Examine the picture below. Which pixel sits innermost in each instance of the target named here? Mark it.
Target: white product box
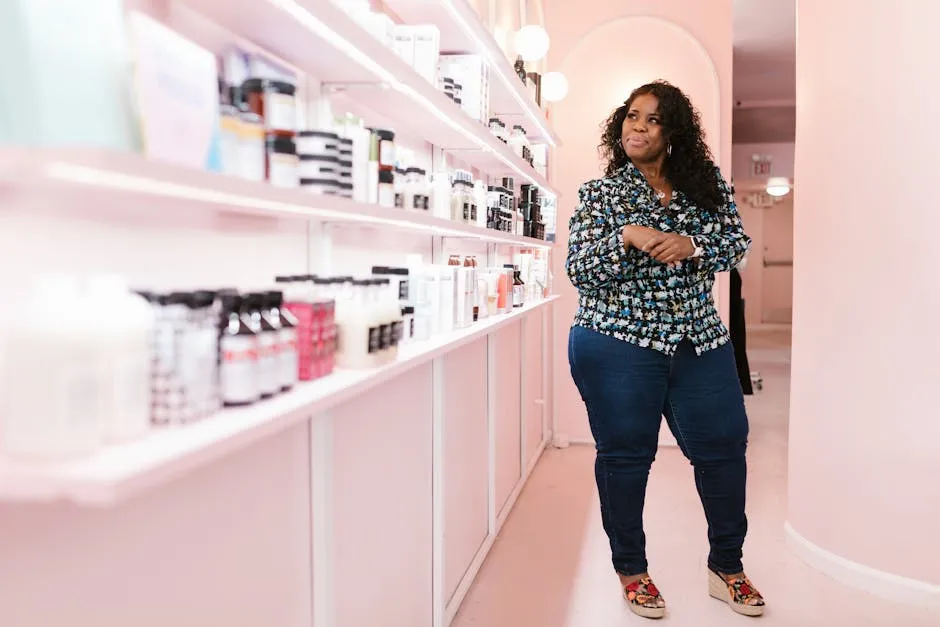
(404, 43)
(427, 50)
(472, 73)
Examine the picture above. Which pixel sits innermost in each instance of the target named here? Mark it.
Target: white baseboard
(877, 582)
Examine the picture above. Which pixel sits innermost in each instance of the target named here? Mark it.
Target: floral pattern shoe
(739, 593)
(644, 599)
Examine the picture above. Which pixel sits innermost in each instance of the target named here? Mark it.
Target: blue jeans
(627, 390)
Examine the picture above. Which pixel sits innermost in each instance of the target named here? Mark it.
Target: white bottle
(447, 287)
(479, 199)
(123, 358)
(462, 276)
(358, 340)
(391, 318)
(441, 191)
(380, 326)
(48, 384)
(362, 169)
(422, 301)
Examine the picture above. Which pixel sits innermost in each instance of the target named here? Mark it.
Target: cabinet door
(507, 350)
(532, 389)
(382, 504)
(465, 461)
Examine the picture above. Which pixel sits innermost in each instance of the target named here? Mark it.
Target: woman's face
(642, 132)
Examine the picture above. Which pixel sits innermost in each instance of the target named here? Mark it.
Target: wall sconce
(554, 86)
(532, 42)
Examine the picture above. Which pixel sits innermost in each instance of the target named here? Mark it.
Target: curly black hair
(690, 167)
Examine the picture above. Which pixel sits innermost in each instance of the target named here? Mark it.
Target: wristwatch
(699, 251)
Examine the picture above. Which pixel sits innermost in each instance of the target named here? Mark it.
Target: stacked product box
(472, 73)
(419, 46)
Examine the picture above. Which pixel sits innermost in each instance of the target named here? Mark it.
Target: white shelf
(71, 175)
(463, 32)
(121, 471)
(320, 38)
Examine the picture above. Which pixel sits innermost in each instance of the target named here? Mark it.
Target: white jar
(357, 329)
(319, 143)
(413, 189)
(48, 383)
(318, 167)
(518, 141)
(320, 187)
(402, 200)
(124, 358)
(386, 188)
(252, 151)
(282, 162)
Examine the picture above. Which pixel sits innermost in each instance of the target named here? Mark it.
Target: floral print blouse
(629, 295)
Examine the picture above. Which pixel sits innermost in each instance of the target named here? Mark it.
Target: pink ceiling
(764, 70)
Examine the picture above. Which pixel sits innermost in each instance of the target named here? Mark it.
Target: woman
(646, 241)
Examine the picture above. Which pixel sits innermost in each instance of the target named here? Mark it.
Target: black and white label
(385, 336)
(398, 328)
(375, 339)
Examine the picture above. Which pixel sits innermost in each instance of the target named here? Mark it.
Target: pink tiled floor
(550, 566)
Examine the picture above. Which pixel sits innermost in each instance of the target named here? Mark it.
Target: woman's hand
(639, 236)
(670, 248)
(667, 248)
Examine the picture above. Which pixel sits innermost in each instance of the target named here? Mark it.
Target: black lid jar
(317, 143)
(386, 144)
(274, 101)
(281, 161)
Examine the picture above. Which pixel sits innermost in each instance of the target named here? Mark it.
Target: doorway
(777, 263)
(767, 279)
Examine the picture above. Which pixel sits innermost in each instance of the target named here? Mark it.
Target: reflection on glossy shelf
(73, 173)
(121, 471)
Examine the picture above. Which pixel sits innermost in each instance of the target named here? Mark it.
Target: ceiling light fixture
(778, 186)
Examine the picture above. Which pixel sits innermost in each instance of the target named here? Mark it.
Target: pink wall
(781, 155)
(604, 48)
(864, 427)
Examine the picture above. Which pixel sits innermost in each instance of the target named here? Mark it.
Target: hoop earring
(669, 150)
